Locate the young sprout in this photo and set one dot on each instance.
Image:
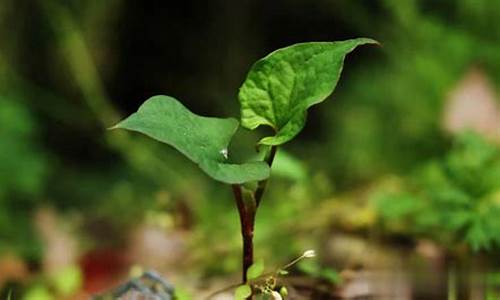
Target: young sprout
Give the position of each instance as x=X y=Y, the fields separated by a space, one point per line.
x=265 y=283
x=277 y=92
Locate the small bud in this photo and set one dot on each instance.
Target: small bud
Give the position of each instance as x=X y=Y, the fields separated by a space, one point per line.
x=276 y=295
x=282 y=272
x=283 y=291
x=309 y=254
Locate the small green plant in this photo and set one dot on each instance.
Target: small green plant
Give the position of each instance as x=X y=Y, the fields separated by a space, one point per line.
x=277 y=92
x=265 y=284
x=454 y=200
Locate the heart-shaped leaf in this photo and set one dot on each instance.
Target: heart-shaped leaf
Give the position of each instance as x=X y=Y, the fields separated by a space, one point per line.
x=281 y=87
x=204 y=140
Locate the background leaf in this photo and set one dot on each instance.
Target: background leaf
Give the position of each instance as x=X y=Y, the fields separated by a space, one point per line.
x=68 y=280
x=281 y=87
x=204 y=140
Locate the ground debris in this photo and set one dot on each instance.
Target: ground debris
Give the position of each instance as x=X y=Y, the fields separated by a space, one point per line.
x=149 y=286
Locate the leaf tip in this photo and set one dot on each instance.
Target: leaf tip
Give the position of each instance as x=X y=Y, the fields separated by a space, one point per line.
x=371 y=41
x=119 y=125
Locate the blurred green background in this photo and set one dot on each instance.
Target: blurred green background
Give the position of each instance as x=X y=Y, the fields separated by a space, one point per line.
x=404 y=155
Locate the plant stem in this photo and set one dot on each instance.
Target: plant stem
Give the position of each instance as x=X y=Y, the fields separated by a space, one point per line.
x=263 y=183
x=247 y=220
x=261 y=277
x=247 y=211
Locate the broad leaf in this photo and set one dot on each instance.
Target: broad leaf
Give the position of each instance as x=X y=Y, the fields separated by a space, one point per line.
x=281 y=87
x=204 y=140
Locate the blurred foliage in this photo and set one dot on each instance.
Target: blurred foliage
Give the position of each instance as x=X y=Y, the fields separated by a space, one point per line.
x=23 y=167
x=315 y=270
x=69 y=69
x=387 y=118
x=23 y=172
x=63 y=284
x=451 y=200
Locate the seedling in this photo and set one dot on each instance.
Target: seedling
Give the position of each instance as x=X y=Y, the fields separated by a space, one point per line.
x=264 y=283
x=277 y=92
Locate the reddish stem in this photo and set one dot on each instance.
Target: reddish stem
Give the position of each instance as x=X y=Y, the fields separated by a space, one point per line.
x=247 y=212
x=247 y=220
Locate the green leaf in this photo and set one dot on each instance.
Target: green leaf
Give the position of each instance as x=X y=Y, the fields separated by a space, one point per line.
x=309 y=267
x=38 y=292
x=255 y=270
x=204 y=140
x=68 y=280
x=331 y=275
x=242 y=292
x=281 y=87
x=476 y=235
x=181 y=294
x=288 y=166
